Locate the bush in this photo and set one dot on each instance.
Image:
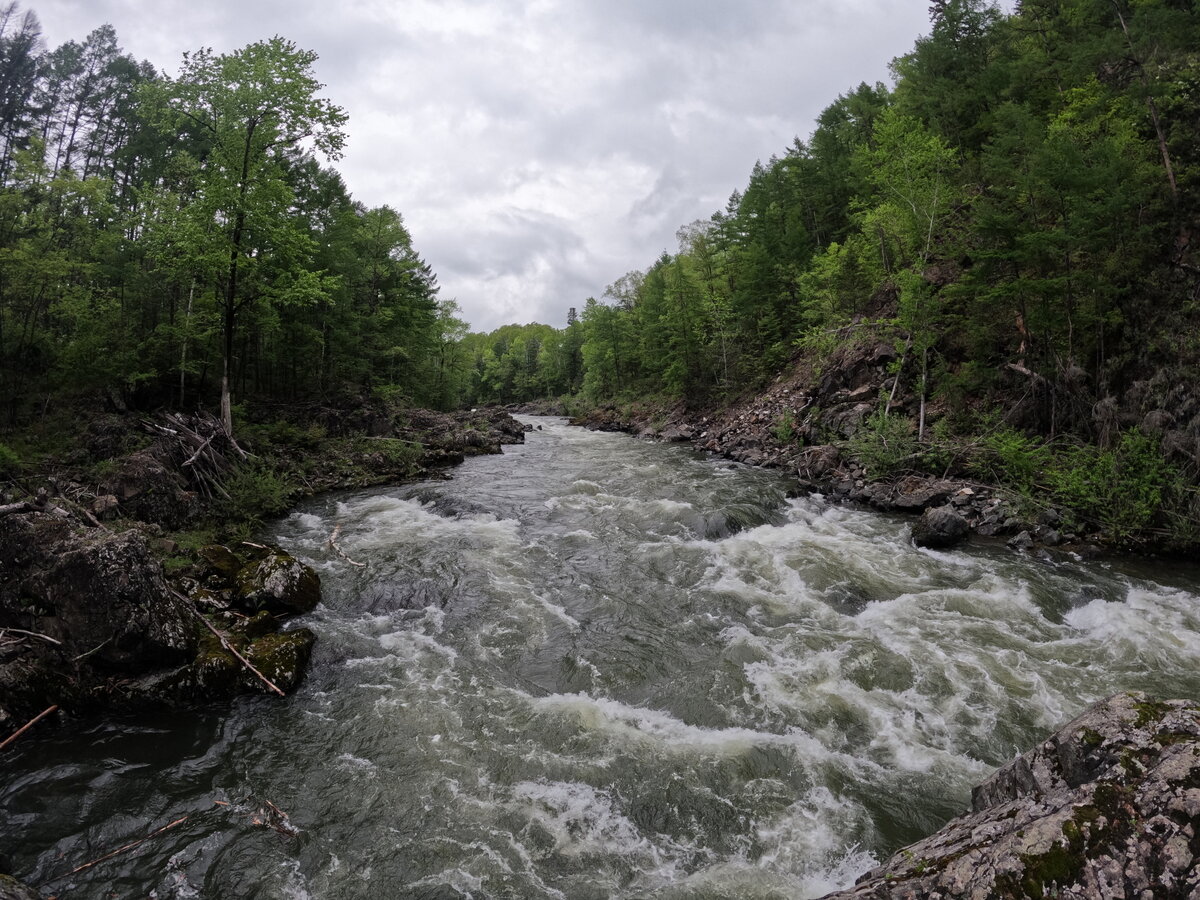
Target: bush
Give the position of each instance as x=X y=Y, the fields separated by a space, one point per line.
x=256 y=491
x=10 y=462
x=1121 y=489
x=785 y=427
x=884 y=444
x=1010 y=458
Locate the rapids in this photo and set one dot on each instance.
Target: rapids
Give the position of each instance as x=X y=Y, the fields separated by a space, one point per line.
x=593 y=667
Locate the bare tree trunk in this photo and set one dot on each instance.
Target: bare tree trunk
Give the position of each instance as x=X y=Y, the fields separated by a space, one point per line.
x=187 y=324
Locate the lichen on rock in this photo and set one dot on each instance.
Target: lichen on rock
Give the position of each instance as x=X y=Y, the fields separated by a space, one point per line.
x=1108 y=806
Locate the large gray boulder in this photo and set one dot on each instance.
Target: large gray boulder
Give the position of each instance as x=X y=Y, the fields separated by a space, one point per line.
x=1107 y=807
x=940 y=527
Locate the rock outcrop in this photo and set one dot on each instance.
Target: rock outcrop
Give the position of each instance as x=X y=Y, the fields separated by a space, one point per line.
x=1107 y=807
x=88 y=620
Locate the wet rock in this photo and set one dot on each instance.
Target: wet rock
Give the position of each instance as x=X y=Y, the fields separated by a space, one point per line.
x=11 y=889
x=278 y=583
x=1108 y=806
x=1022 y=541
x=940 y=527
x=217 y=674
x=101 y=605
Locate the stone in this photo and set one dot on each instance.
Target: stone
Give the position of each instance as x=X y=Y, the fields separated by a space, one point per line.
x=105 y=506
x=1100 y=809
x=149 y=491
x=103 y=599
x=918 y=493
x=280 y=584
x=11 y=889
x=221 y=560
x=1022 y=541
x=940 y=527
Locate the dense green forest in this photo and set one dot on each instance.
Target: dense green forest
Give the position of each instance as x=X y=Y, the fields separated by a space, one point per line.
x=155 y=228
x=1025 y=194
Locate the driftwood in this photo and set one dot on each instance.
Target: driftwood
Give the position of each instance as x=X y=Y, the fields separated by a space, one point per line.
x=200 y=448
x=228 y=646
x=36 y=634
x=130 y=846
x=24 y=728
x=333 y=545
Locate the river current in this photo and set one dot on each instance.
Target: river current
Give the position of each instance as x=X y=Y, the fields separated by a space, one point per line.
x=594 y=667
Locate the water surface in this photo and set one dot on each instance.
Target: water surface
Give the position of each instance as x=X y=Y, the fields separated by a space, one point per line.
x=594 y=668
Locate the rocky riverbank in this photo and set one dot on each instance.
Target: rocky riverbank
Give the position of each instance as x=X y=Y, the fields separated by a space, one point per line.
x=1107 y=807
x=125 y=579
x=822 y=425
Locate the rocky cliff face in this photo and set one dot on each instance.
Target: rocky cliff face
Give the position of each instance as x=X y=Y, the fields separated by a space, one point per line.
x=1107 y=807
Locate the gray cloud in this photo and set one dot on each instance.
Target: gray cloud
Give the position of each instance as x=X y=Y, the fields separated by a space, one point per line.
x=539 y=149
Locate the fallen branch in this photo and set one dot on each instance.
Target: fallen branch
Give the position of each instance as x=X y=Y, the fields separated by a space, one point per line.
x=24 y=728
x=333 y=545
x=228 y=646
x=131 y=845
x=86 y=654
x=36 y=634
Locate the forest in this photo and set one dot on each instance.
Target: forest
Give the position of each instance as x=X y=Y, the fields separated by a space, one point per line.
x=1016 y=213
x=159 y=236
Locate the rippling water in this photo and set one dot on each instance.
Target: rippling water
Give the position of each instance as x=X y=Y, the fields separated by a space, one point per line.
x=596 y=668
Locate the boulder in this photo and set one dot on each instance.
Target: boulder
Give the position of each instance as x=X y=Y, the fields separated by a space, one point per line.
x=99 y=606
x=149 y=491
x=940 y=527
x=1108 y=806
x=278 y=583
x=916 y=493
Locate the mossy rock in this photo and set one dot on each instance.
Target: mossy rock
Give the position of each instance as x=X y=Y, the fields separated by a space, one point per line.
x=283 y=657
x=11 y=889
x=221 y=560
x=279 y=584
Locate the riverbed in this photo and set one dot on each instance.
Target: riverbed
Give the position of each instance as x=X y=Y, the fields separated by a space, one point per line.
x=595 y=667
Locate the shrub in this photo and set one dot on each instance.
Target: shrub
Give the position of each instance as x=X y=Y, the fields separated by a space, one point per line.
x=256 y=491
x=884 y=444
x=1121 y=489
x=10 y=462
x=785 y=427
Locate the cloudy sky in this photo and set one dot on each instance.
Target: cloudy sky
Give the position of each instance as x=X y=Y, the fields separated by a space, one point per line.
x=540 y=149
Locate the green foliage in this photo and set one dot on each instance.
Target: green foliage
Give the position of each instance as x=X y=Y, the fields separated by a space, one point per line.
x=256 y=492
x=10 y=462
x=1121 y=488
x=784 y=429
x=884 y=444
x=1009 y=457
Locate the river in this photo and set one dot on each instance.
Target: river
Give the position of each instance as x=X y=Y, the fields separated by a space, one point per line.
x=594 y=667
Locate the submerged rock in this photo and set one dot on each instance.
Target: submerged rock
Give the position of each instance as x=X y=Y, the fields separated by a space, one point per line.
x=1108 y=806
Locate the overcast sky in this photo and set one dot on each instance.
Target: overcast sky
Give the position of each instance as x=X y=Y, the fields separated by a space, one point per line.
x=539 y=150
